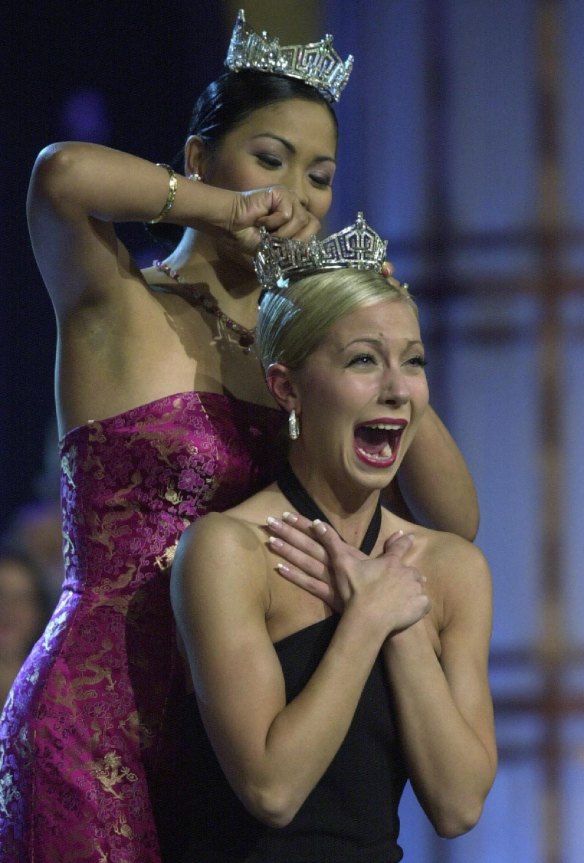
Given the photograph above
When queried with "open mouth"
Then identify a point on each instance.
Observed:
(378, 443)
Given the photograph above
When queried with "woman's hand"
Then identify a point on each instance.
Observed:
(387, 270)
(277, 209)
(320, 562)
(308, 564)
(390, 593)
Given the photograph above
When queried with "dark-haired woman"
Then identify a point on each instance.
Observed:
(164, 416)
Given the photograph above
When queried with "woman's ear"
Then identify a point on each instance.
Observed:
(279, 380)
(195, 155)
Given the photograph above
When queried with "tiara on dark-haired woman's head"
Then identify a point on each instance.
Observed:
(317, 64)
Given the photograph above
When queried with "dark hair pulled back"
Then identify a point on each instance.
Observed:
(227, 102)
(233, 97)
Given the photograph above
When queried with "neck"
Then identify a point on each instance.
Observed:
(200, 256)
(348, 508)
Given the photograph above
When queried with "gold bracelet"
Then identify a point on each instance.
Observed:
(172, 187)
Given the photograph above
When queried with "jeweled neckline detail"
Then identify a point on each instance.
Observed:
(245, 337)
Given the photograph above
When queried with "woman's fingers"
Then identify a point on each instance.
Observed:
(291, 538)
(277, 209)
(323, 590)
(336, 548)
(317, 560)
(387, 270)
(303, 546)
(305, 559)
(289, 218)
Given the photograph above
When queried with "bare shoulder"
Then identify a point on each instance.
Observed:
(456, 569)
(442, 554)
(226, 553)
(459, 580)
(455, 554)
(219, 564)
(255, 509)
(216, 536)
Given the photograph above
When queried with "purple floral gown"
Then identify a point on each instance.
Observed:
(92, 737)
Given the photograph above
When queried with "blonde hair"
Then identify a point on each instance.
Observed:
(293, 320)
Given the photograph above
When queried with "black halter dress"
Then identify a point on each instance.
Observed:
(351, 815)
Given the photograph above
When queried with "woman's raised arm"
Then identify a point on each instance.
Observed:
(434, 485)
(78, 190)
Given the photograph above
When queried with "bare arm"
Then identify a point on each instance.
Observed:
(444, 708)
(435, 487)
(274, 753)
(78, 190)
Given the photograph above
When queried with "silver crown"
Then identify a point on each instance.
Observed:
(317, 64)
(279, 260)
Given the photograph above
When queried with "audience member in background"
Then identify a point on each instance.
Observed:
(36, 527)
(25, 608)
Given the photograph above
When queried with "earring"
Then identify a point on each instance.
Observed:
(196, 177)
(293, 426)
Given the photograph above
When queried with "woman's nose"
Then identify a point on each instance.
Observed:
(299, 185)
(395, 391)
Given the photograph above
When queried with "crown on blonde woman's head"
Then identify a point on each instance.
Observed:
(279, 260)
(317, 64)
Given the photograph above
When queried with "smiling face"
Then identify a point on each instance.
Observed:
(360, 396)
(290, 143)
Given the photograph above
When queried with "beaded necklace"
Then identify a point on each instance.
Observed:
(245, 337)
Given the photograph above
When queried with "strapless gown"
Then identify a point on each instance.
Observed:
(95, 730)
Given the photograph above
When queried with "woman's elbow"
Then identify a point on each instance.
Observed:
(52, 162)
(273, 806)
(454, 821)
(53, 173)
(471, 526)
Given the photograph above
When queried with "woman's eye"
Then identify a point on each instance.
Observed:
(362, 360)
(269, 160)
(321, 180)
(418, 361)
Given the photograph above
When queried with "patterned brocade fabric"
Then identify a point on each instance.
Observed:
(94, 731)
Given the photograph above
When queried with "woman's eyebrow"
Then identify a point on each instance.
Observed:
(290, 146)
(380, 342)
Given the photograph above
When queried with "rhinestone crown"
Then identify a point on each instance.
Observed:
(317, 64)
(279, 260)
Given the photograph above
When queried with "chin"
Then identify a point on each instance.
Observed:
(369, 479)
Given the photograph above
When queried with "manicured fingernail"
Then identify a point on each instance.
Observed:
(290, 517)
(281, 567)
(273, 522)
(319, 526)
(275, 542)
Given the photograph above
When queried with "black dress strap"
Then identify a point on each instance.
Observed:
(294, 491)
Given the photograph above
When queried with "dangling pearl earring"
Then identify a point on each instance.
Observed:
(293, 426)
(196, 178)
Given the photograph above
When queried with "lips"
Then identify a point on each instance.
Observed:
(377, 443)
